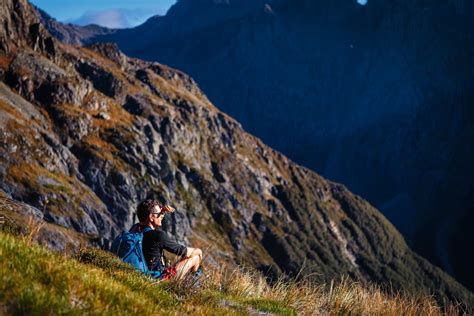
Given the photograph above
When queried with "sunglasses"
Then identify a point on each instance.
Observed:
(164, 209)
(159, 213)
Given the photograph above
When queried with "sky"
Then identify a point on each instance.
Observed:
(110, 13)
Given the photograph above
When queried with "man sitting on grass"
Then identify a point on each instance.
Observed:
(150, 214)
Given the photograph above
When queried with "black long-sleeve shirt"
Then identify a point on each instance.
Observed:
(154, 242)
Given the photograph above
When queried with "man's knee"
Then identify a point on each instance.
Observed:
(191, 260)
(188, 264)
(197, 252)
(195, 260)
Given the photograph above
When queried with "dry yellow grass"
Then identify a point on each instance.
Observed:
(223, 290)
(8, 108)
(343, 297)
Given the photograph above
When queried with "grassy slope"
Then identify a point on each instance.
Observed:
(36, 281)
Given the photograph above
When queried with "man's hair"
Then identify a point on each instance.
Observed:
(145, 208)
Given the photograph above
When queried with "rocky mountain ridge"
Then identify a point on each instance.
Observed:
(70, 33)
(87, 133)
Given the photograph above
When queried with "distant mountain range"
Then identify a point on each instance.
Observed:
(378, 97)
(70, 33)
(86, 133)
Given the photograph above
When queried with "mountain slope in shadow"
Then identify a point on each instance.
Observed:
(378, 97)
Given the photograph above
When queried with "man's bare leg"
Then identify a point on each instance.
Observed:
(186, 265)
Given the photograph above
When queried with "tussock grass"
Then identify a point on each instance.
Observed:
(37, 281)
(343, 297)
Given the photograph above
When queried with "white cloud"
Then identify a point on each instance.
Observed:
(114, 18)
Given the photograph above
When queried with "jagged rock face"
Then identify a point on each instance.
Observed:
(42, 81)
(129, 130)
(15, 24)
(20, 26)
(385, 90)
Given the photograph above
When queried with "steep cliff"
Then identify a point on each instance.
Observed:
(87, 133)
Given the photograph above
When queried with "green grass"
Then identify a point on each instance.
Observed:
(56, 188)
(37, 281)
(267, 305)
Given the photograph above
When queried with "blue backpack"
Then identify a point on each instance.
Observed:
(128, 247)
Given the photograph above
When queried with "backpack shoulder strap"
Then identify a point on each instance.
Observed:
(133, 229)
(146, 229)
